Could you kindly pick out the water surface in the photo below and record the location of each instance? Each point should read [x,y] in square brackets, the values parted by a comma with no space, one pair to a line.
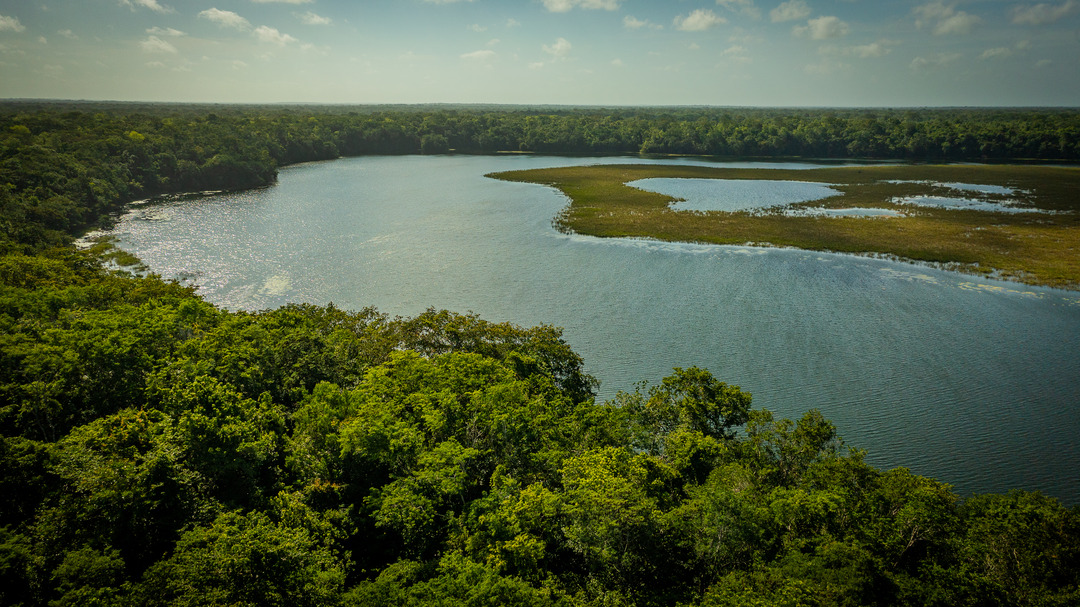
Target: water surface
[970,204]
[733,194]
[970,381]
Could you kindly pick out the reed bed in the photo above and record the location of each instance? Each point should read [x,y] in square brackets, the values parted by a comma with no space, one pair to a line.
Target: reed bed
[1040,246]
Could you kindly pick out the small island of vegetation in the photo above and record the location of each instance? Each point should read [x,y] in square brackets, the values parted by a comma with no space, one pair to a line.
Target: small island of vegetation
[158,450]
[1037,245]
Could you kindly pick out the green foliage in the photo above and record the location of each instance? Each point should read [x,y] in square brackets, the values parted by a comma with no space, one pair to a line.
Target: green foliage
[434,144]
[725,523]
[766,587]
[1023,545]
[455,582]
[610,511]
[686,417]
[88,577]
[245,559]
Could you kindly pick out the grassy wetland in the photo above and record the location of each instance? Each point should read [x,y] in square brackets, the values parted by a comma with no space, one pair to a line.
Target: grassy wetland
[1034,240]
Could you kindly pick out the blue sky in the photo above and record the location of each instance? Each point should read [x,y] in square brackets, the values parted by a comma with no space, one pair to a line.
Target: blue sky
[594,52]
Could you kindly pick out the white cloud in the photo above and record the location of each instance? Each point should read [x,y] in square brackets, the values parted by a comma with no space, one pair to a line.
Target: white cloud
[481,55]
[931,12]
[476,27]
[823,28]
[283,1]
[269,34]
[960,23]
[792,10]
[996,53]
[945,19]
[161,31]
[511,22]
[428,1]
[11,24]
[561,48]
[617,63]
[1042,13]
[562,6]
[922,63]
[1041,63]
[1002,52]
[226,18]
[634,23]
[745,7]
[698,21]
[861,51]
[868,51]
[150,4]
[70,35]
[153,44]
[155,64]
[310,18]
[736,53]
[238,65]
[934,61]
[536,65]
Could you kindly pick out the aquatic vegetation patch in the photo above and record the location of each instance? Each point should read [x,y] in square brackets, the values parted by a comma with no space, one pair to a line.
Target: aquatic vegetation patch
[982,188]
[971,204]
[1030,232]
[842,212]
[104,247]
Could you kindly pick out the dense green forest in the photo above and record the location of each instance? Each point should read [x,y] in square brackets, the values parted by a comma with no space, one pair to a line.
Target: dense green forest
[159,450]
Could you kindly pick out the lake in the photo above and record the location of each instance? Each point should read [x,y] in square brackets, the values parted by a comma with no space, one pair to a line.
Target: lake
[971,381]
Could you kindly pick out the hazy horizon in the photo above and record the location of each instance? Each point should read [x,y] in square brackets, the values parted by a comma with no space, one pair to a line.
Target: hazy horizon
[601,53]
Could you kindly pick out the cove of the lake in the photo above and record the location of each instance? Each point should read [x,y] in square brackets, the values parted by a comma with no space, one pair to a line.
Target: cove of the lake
[971,381]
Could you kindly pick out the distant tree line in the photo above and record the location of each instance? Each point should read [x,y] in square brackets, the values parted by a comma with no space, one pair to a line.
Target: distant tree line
[64,165]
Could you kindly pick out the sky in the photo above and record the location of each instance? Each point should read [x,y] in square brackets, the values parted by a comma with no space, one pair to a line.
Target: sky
[806,53]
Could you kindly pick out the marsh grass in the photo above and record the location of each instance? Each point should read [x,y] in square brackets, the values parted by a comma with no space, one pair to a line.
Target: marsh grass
[1039,247]
[104,248]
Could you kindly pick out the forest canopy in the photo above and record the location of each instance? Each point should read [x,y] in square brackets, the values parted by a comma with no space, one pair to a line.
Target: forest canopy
[156,449]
